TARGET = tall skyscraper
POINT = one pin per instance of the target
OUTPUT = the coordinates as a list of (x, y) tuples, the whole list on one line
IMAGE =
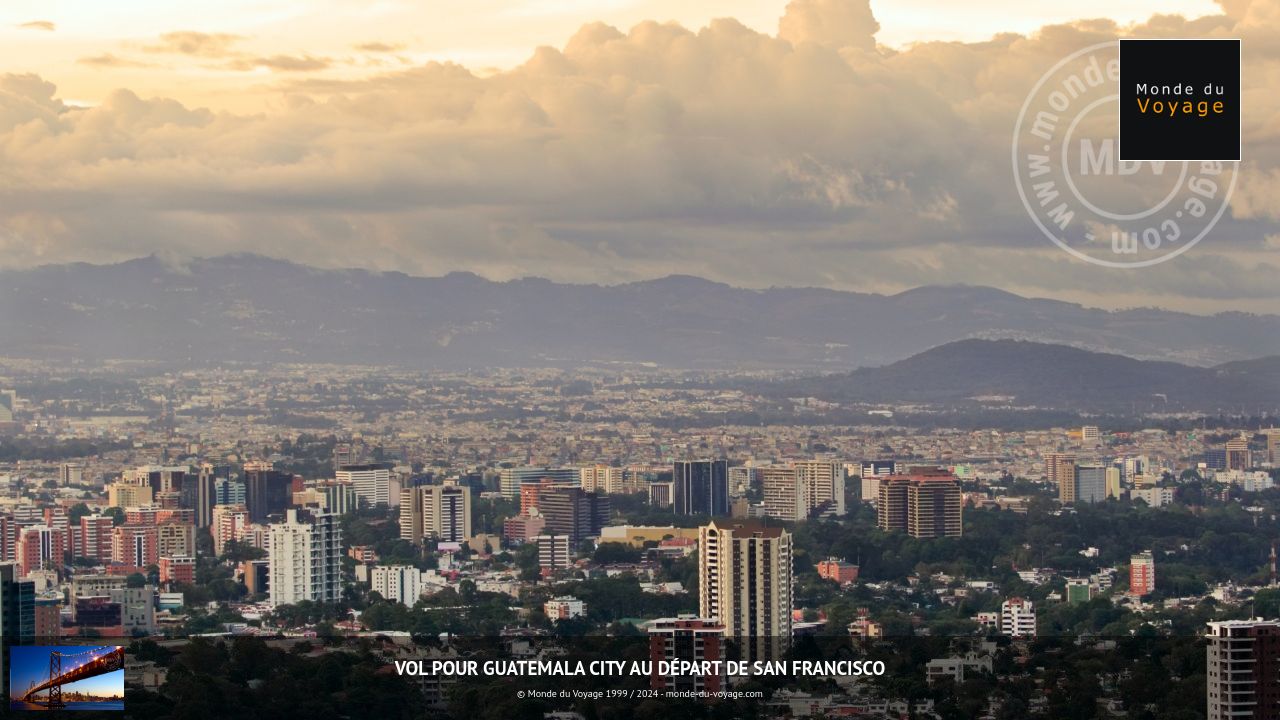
[(1060, 472), (17, 614), (305, 559), (1142, 574), (573, 512), (1242, 672), (925, 504), (745, 577), (701, 487), (267, 491), (213, 484)]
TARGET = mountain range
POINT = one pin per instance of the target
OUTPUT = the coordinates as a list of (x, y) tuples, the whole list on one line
[(252, 308)]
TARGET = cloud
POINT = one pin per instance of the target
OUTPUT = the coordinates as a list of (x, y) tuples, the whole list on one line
[(283, 63), (108, 60), (198, 44), (809, 157), (832, 23), (43, 25), (378, 47)]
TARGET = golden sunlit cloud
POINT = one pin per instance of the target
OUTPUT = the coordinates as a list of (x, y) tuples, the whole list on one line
[(378, 47), (808, 152), (44, 25), (186, 42)]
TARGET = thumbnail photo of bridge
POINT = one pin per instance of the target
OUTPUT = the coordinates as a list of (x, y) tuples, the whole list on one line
[(70, 677)]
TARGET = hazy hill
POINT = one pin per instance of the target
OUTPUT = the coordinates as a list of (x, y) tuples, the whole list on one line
[(1050, 376)]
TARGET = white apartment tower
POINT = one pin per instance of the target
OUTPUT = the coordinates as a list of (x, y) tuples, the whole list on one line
[(401, 583), (305, 559), (745, 581)]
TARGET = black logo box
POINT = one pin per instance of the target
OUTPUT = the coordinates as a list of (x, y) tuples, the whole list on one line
[(1192, 63)]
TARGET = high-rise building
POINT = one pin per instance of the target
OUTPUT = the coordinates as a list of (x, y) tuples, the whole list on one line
[(554, 553), (785, 495), (176, 539), (1090, 435), (371, 481), (17, 614), (689, 639), (17, 606), (230, 522), (267, 491), (229, 492), (70, 474), (744, 584), (869, 474), (601, 478), (1273, 445), (123, 494), (1091, 483), (742, 479), (1018, 617), (1113, 482), (40, 547), (511, 480), (522, 528), (802, 490), (1142, 574), (1238, 454), (206, 496), (331, 496), (701, 487), (925, 504), (178, 569), (135, 546), (162, 479), (573, 512), (1242, 672), (826, 482), (662, 494), (305, 559), (1060, 472), (441, 511), (398, 583), (95, 537)]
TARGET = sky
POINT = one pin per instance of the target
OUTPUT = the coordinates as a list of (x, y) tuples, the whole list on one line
[(31, 663), (837, 143)]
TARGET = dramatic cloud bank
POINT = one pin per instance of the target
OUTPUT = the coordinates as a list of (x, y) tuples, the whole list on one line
[(811, 157)]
